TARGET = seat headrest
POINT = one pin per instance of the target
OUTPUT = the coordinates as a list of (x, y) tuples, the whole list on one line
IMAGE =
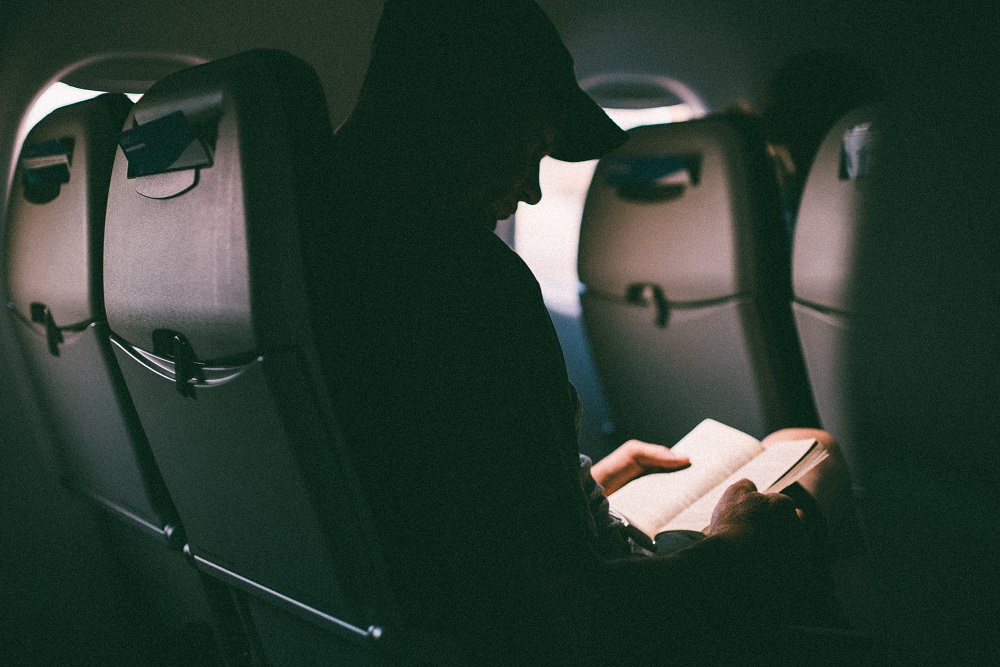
[(222, 167), (832, 199), (677, 207), (56, 214)]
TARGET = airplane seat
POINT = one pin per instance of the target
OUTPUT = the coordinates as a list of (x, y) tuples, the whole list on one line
[(53, 279), (823, 262), (684, 260), (224, 173), (923, 355), (824, 266)]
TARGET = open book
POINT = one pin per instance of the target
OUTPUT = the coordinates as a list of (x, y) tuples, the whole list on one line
[(720, 455)]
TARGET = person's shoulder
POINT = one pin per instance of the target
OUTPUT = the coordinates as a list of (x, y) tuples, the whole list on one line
[(504, 257)]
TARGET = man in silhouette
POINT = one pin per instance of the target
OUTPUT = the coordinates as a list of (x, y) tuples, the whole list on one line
[(452, 388)]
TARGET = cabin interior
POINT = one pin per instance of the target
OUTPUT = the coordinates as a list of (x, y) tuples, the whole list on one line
[(919, 367)]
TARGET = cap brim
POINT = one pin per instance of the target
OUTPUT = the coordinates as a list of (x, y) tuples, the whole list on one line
[(587, 132)]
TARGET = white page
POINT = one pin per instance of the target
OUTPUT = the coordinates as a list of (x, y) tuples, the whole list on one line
[(808, 462), (763, 471), (714, 449)]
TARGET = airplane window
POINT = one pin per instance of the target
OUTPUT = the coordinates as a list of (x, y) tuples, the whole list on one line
[(547, 234), (59, 95)]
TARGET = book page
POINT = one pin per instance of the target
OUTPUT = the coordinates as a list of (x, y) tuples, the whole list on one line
[(764, 471), (815, 455), (715, 450)]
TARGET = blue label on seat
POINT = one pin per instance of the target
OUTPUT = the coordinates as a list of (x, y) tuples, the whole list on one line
[(165, 144), (648, 170), (856, 151), (47, 162)]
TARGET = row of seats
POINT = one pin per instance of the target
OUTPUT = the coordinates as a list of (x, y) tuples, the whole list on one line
[(695, 306), (158, 264), (691, 303), (53, 281), (156, 268)]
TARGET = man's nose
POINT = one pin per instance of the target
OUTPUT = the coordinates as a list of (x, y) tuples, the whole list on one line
[(531, 192)]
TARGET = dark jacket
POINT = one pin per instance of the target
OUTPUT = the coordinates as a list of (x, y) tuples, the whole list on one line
[(454, 399)]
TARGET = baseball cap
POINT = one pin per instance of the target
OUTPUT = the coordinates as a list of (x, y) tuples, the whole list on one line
[(586, 132), (499, 46)]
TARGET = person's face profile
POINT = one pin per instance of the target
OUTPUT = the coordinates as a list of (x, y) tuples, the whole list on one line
[(516, 179), (498, 180), (497, 177)]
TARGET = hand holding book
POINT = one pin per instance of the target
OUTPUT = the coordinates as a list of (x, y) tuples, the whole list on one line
[(719, 455), (634, 459)]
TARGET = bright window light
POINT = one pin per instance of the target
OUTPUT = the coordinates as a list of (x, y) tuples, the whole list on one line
[(547, 235), (59, 95)]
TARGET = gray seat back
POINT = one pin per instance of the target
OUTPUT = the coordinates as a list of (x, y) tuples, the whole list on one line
[(684, 261), (223, 173), (54, 284), (824, 261)]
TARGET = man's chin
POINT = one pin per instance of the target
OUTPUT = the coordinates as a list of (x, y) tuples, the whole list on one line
[(487, 220), (504, 212), (491, 217)]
